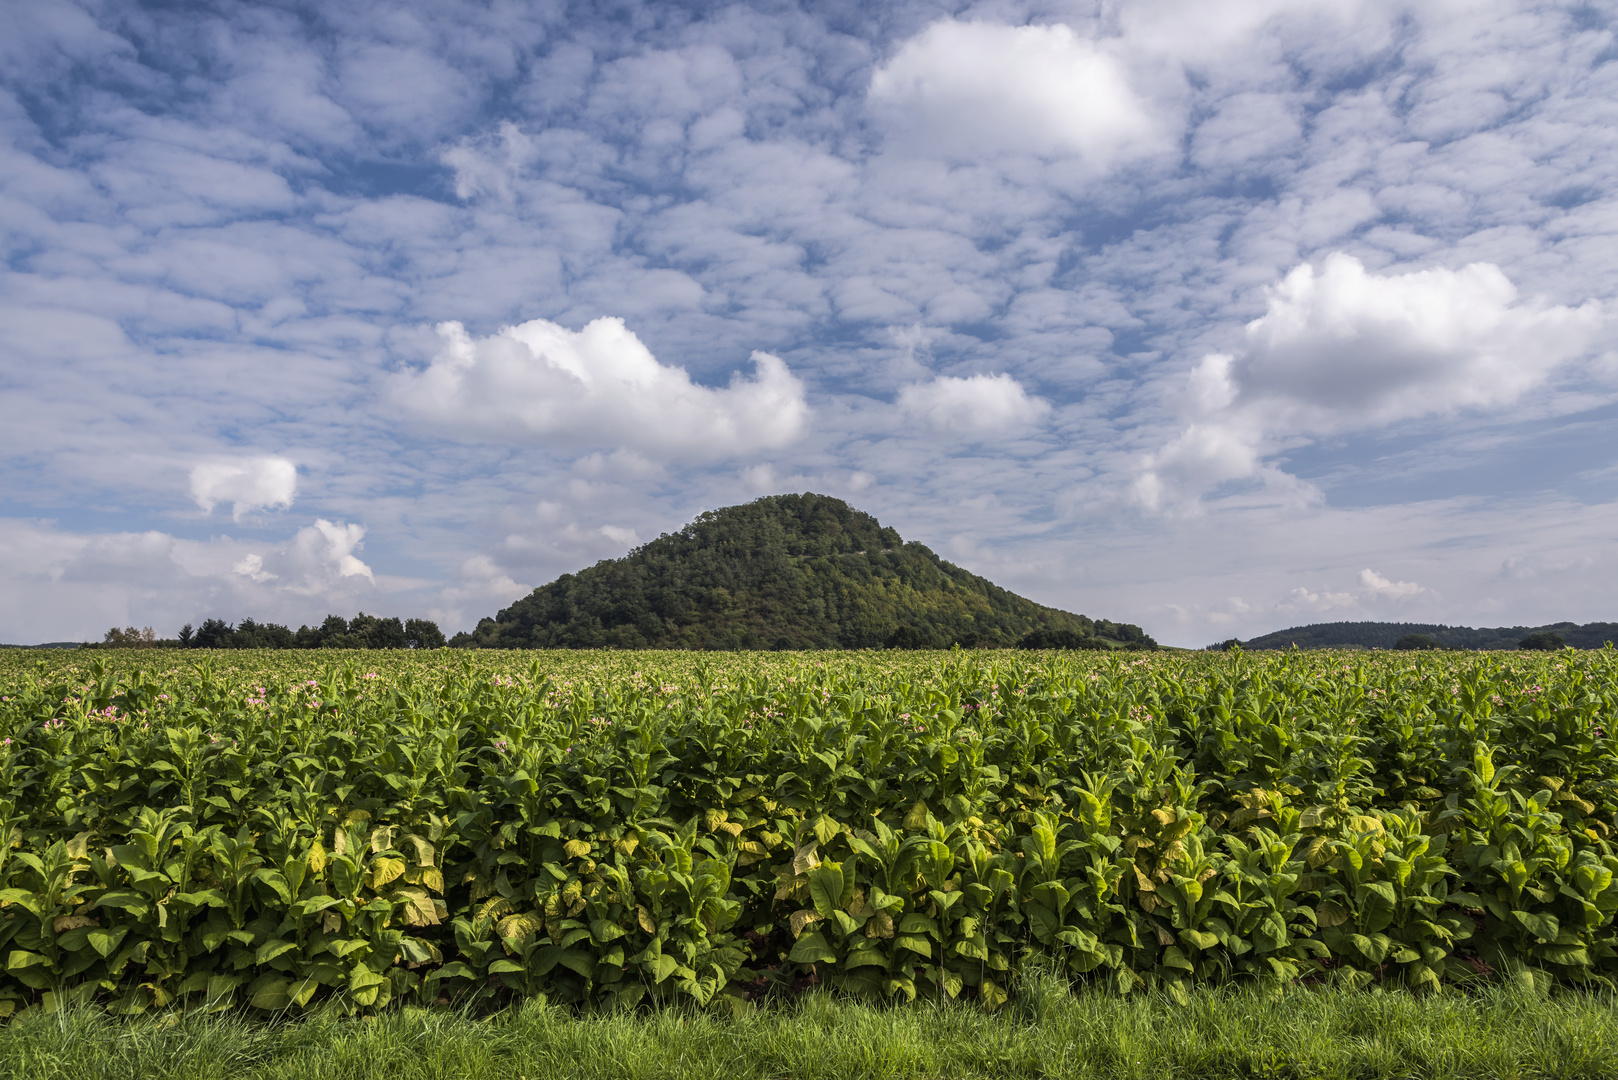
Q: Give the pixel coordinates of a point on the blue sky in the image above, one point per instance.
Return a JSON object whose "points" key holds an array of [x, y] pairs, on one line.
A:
{"points": [[1214, 316]]}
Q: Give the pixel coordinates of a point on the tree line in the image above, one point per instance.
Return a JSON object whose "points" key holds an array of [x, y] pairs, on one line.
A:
{"points": [[1538, 641], [1418, 636], [361, 632]]}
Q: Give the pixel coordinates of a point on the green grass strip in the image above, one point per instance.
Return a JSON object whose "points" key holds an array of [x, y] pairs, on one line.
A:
{"points": [[1046, 1032]]}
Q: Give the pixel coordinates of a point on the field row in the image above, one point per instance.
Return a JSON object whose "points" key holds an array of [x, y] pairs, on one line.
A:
{"points": [[618, 828]]}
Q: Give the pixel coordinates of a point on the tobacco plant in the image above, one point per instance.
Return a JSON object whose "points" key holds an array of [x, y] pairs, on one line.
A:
{"points": [[619, 830]]}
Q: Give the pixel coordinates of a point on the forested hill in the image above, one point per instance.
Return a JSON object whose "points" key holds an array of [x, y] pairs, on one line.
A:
{"points": [[1384, 635], [785, 572]]}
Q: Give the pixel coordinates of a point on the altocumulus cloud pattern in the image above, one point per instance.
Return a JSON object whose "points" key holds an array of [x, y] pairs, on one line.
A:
{"points": [[1218, 315]]}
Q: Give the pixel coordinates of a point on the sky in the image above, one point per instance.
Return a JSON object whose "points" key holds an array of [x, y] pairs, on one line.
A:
{"points": [[1214, 316]]}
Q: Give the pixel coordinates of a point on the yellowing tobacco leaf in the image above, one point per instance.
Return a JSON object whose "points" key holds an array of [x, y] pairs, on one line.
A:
{"points": [[384, 871]]}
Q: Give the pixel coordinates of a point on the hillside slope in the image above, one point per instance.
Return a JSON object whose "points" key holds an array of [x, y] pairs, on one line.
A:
{"points": [[1383, 635], [784, 572]]}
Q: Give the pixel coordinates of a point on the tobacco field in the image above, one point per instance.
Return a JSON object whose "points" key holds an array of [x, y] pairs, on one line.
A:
{"points": [[352, 830]]}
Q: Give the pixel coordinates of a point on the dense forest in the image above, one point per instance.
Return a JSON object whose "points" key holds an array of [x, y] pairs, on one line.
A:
{"points": [[361, 632], [785, 572], [1387, 635]]}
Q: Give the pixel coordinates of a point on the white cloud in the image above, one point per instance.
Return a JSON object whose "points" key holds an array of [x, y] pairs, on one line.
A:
{"points": [[1344, 349], [1302, 599], [1199, 458], [249, 484], [251, 566], [600, 386], [972, 90], [327, 544], [1374, 591], [1379, 587], [487, 166], [316, 561], [978, 406], [154, 578]]}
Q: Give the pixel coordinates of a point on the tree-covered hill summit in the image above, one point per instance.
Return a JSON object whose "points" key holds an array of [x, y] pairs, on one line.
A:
{"points": [[784, 572]]}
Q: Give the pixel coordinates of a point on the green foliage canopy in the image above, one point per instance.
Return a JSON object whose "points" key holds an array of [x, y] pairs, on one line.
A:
{"points": [[290, 829], [361, 632], [785, 572], [1386, 635]]}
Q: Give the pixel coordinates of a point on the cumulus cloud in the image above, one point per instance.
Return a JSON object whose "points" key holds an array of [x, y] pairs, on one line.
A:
{"points": [[317, 560], [978, 406], [969, 90], [600, 386], [1375, 585], [328, 544], [1374, 591], [1201, 457], [1302, 599], [248, 484], [1344, 349], [251, 566]]}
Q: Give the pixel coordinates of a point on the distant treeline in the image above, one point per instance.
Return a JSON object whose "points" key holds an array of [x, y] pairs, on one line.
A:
{"points": [[1122, 636], [361, 632], [1388, 635]]}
